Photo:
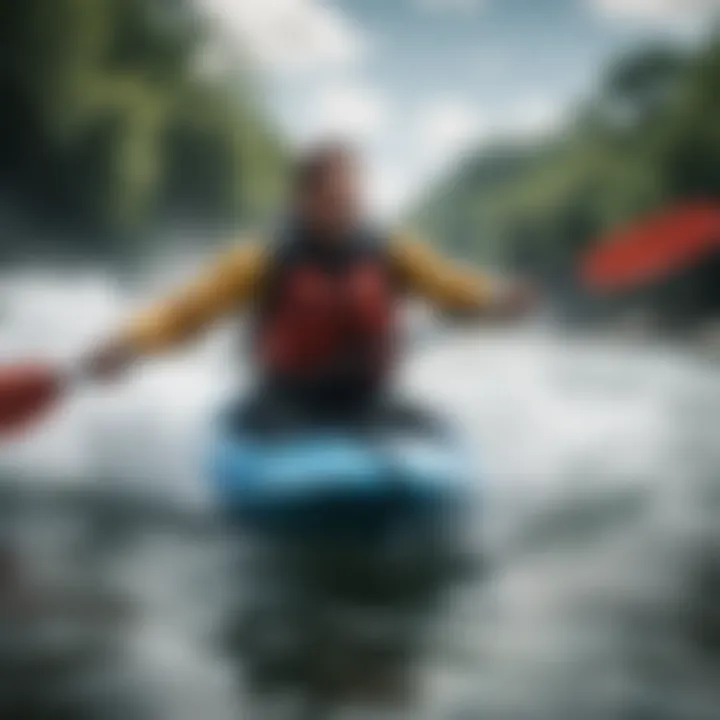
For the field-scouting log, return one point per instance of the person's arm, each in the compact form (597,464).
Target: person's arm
(229,285)
(456,291)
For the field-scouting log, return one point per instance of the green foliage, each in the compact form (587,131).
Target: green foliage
(651,136)
(109,129)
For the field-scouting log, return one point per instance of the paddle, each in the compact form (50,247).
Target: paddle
(28,392)
(653,248)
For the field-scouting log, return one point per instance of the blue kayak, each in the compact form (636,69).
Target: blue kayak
(331,480)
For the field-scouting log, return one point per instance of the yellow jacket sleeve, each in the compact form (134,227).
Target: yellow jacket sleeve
(227,286)
(428,275)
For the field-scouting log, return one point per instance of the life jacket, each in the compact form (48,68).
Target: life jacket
(326,314)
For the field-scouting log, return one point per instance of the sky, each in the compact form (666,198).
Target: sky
(418,83)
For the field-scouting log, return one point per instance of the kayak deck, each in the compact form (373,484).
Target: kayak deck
(324,478)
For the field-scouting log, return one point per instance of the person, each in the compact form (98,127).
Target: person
(323,297)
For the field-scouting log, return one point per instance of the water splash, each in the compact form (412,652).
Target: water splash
(599,470)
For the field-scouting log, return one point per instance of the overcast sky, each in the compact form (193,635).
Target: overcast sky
(419,82)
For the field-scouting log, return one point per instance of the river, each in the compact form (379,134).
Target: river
(599,468)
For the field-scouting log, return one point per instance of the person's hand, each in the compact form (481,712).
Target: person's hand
(108,362)
(516,301)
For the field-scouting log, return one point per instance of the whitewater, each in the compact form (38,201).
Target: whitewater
(596,460)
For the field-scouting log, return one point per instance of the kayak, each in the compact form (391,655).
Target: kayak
(334,479)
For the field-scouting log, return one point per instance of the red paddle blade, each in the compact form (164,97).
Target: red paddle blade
(653,248)
(27,392)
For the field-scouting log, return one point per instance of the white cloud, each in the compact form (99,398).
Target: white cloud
(390,189)
(347,110)
(445,129)
(673,14)
(287,35)
(355,110)
(534,118)
(466,7)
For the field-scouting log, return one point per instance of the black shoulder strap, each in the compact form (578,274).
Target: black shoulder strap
(283,250)
(374,240)
(286,249)
(377,244)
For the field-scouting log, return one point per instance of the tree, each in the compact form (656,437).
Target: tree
(108,128)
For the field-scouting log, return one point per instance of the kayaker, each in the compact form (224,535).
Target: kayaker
(323,295)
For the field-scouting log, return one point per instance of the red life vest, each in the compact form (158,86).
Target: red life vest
(327,313)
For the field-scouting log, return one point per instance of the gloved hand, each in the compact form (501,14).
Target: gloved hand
(108,362)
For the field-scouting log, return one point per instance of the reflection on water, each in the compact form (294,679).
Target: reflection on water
(600,474)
